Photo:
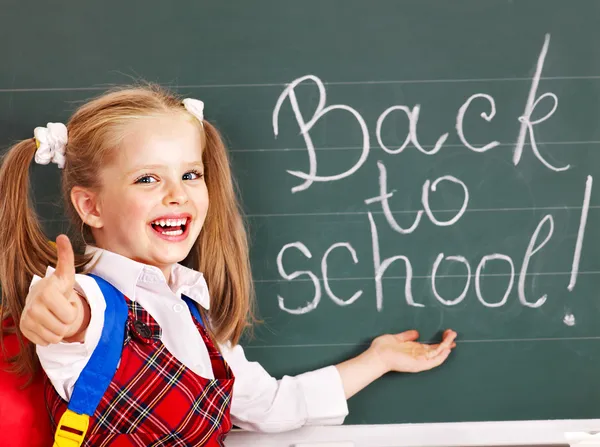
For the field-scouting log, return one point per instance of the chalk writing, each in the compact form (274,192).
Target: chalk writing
(410,223)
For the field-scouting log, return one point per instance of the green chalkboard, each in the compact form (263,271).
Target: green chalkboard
(478,120)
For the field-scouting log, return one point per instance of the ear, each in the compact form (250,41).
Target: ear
(87,206)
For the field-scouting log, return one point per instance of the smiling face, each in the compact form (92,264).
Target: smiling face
(153,198)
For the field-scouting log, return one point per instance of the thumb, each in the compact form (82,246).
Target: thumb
(65,264)
(411,335)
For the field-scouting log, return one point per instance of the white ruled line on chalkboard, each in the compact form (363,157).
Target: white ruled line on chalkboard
(366,278)
(283,84)
(450,81)
(458,341)
(374,212)
(509,340)
(473,210)
(360,148)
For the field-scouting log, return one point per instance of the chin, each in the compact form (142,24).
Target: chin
(168,260)
(173,257)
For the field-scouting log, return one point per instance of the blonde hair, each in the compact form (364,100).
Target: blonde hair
(220,252)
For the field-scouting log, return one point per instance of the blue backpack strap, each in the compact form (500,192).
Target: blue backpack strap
(100,369)
(193,309)
(98,373)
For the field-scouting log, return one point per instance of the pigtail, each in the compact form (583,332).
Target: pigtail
(24,247)
(221,252)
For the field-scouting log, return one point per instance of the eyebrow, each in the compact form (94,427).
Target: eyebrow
(193,164)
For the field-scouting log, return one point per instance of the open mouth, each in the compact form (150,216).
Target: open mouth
(171,227)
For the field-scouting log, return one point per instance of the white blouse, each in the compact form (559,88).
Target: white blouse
(259,401)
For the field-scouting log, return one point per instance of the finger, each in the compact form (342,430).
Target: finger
(437,360)
(449,337)
(48,321)
(432,351)
(449,333)
(446,344)
(34,338)
(48,337)
(65,264)
(40,317)
(411,335)
(59,305)
(40,335)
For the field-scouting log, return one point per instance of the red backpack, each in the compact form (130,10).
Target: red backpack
(24,420)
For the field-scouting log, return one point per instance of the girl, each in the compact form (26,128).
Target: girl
(136,349)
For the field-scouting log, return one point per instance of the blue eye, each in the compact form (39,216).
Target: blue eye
(146,179)
(192,175)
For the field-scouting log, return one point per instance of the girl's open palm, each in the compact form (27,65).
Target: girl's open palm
(402,353)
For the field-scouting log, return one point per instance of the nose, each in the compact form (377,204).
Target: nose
(175,194)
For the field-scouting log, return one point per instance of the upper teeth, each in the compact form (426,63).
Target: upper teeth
(170,222)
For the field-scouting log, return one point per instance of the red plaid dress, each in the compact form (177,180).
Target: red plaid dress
(153,399)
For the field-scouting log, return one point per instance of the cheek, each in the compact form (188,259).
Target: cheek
(138,214)
(202,201)
(132,211)
(205,204)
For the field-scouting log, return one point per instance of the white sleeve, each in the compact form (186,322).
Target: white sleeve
(262,403)
(63,362)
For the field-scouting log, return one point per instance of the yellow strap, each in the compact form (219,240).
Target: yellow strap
(76,427)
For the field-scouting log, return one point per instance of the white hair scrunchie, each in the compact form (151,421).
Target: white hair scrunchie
(51,142)
(195,107)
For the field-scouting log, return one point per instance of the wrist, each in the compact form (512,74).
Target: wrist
(375,357)
(358,372)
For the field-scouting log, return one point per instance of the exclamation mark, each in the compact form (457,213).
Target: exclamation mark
(569,319)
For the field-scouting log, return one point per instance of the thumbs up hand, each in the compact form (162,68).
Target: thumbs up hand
(53,311)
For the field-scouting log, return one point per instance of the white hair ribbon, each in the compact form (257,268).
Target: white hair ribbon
(195,107)
(51,142)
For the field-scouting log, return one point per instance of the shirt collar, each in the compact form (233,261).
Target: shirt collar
(126,275)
